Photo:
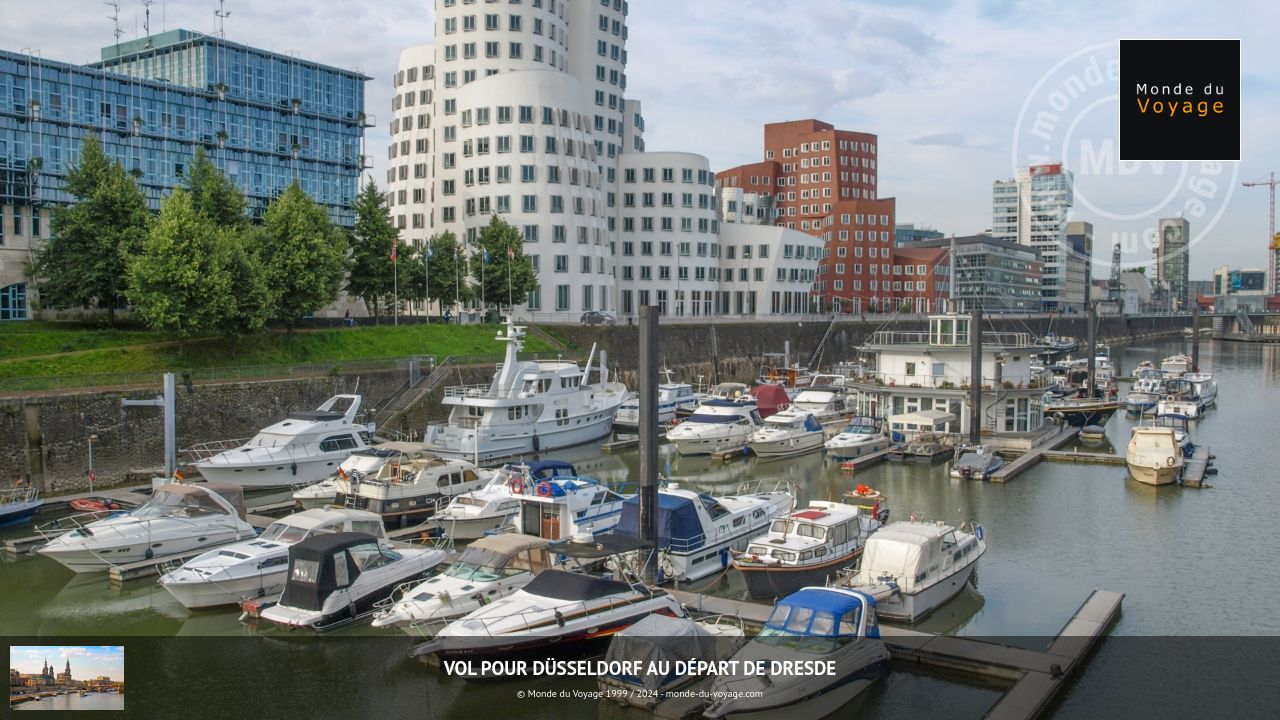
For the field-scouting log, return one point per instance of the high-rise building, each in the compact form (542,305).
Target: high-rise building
(822,181)
(1172,260)
(264,118)
(1080,243)
(905,234)
(519,111)
(1032,209)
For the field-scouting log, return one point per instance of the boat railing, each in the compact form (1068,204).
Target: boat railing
(478,390)
(10,496)
(531,620)
(205,450)
(81,521)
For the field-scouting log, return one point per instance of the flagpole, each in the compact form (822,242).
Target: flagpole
(395,270)
(510,259)
(482,264)
(457,282)
(426,278)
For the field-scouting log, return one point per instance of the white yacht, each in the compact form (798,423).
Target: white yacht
(806,547)
(473,514)
(558,613)
(697,533)
(716,425)
(362,463)
(1145,392)
(490,568)
(1203,387)
(179,518)
(862,436)
(1183,398)
(1175,365)
(1153,456)
(815,624)
(531,406)
(912,568)
(335,578)
(305,447)
(673,398)
(729,391)
(975,462)
(828,403)
(560,504)
(790,432)
(408,492)
(258,567)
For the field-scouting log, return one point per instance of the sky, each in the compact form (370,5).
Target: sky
(943,83)
(87,661)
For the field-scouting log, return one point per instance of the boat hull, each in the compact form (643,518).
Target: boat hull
(548,438)
(910,608)
(470,528)
(277,473)
(1079,417)
(83,559)
(708,444)
(766,582)
(1155,475)
(787,446)
(197,595)
(848,452)
(18,512)
(573,644)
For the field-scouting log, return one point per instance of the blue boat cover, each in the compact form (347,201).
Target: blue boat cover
(818,611)
(677,519)
(543,469)
(811,424)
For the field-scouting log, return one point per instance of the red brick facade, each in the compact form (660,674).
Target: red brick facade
(823,182)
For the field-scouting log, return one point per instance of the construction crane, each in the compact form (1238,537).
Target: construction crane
(1273,247)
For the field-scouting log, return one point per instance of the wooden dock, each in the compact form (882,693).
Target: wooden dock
(1197,467)
(731,454)
(1032,457)
(854,464)
(1083,457)
(1036,676)
(626,443)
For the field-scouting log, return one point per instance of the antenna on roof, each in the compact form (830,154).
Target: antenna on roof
(114,17)
(146,20)
(223,13)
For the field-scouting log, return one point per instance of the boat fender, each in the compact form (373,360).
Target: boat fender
(536,448)
(979,532)
(724,557)
(293,467)
(666,567)
(559,618)
(149,554)
(544,489)
(1170,398)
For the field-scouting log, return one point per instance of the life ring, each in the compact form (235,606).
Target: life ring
(863,490)
(1171,460)
(1170,398)
(516,484)
(543,489)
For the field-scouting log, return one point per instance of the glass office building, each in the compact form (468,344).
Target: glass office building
(264,118)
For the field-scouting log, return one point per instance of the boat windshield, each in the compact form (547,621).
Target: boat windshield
(481,565)
(802,529)
(283,532)
(266,439)
(861,429)
(808,630)
(709,419)
(167,504)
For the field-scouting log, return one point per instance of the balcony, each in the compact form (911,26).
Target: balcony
(920,338)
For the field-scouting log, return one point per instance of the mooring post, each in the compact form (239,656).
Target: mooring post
(975,370)
(1092,319)
(648,377)
(1195,337)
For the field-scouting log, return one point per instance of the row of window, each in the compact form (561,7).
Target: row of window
(649,175)
(668,200)
(667,224)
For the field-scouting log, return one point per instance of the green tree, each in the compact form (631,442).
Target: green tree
(178,282)
(371,273)
(447,270)
(84,262)
(303,253)
(252,300)
(213,194)
(504,246)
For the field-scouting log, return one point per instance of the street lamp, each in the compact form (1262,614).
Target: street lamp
(92,437)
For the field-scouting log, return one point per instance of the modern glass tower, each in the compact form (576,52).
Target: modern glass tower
(264,118)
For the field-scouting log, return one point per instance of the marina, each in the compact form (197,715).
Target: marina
(957,649)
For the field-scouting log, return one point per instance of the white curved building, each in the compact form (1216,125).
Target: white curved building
(668,252)
(411,168)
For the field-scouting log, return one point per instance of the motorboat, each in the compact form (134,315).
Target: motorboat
(1058,345)
(1203,387)
(670,640)
(178,518)
(305,447)
(806,547)
(698,532)
(926,447)
(405,493)
(1175,365)
(258,567)
(336,578)
(1093,434)
(790,432)
(717,425)
(912,568)
(1079,412)
(862,436)
(18,504)
(835,625)
(1145,392)
(828,403)
(673,399)
(869,499)
(975,462)
(1181,431)
(362,463)
(1182,399)
(1153,456)
(555,503)
(558,614)
(488,569)
(729,391)
(793,378)
(474,513)
(530,406)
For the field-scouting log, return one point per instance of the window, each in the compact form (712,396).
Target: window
(562,297)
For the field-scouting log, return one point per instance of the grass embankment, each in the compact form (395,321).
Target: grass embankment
(46,349)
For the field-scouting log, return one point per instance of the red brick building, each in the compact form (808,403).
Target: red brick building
(823,181)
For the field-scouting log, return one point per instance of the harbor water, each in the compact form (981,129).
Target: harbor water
(1054,534)
(76,701)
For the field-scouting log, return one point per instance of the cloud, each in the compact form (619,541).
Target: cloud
(944,139)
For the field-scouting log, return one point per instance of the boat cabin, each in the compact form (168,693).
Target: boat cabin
(915,555)
(324,564)
(909,426)
(826,617)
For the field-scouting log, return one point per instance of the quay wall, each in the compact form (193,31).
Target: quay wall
(44,437)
